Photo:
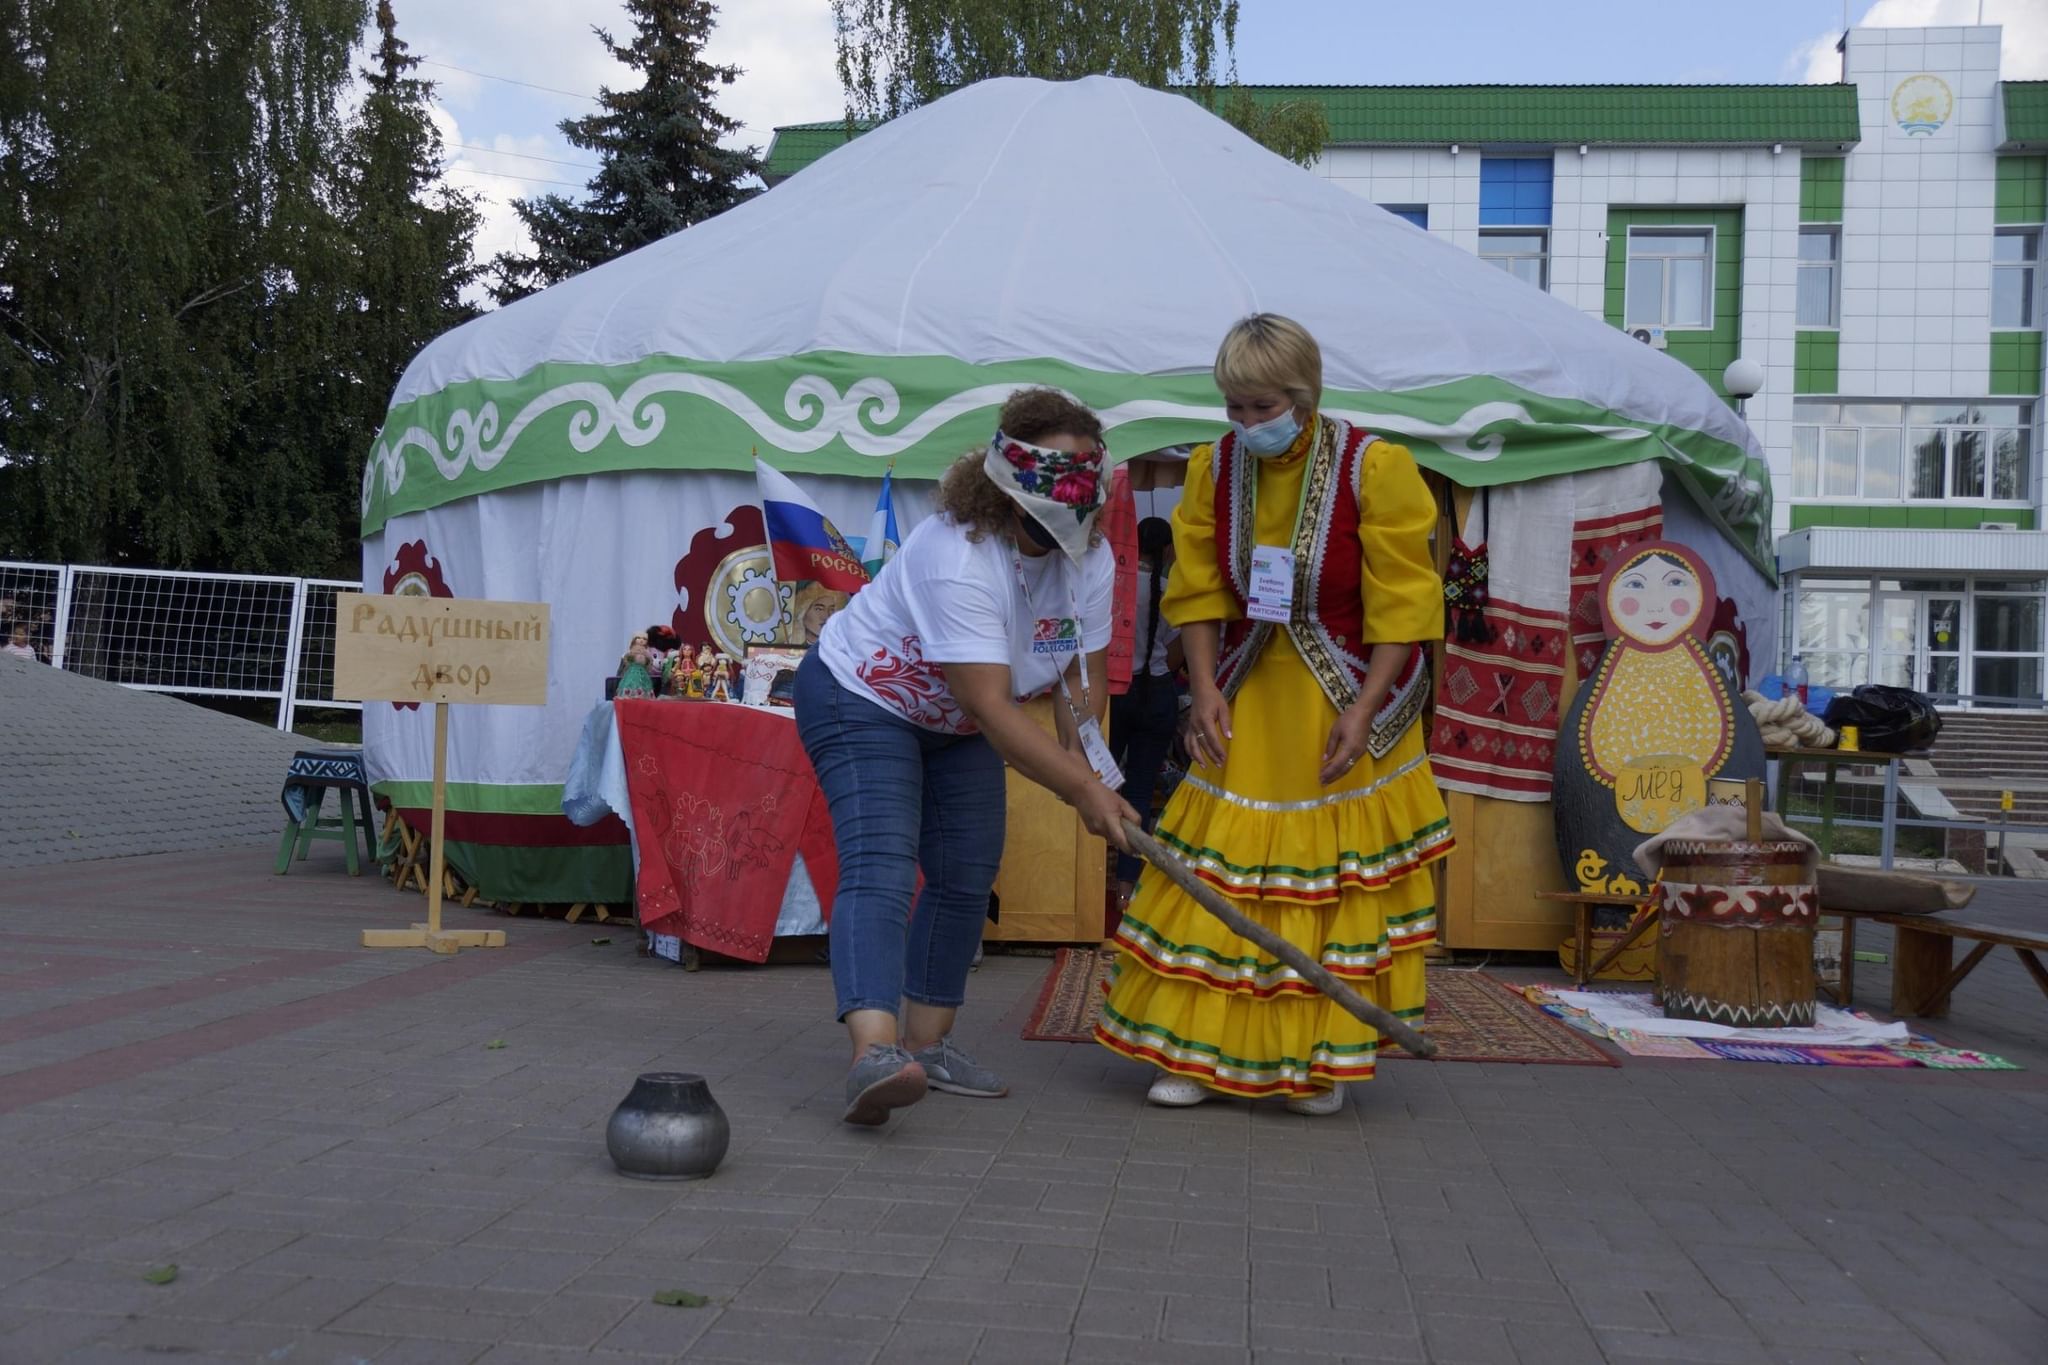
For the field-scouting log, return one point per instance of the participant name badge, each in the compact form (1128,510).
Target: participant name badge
(1095,748)
(1272,594)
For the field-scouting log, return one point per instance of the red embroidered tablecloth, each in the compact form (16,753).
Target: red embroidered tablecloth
(723,802)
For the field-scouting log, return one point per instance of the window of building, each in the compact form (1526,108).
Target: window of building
(1888,452)
(1670,278)
(1415,214)
(1525,255)
(1982,642)
(1820,259)
(1831,633)
(1514,191)
(2014,254)
(2007,641)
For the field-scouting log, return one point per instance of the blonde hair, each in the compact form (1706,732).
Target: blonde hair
(1266,353)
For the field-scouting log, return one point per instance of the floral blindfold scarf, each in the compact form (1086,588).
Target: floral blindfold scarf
(1060,490)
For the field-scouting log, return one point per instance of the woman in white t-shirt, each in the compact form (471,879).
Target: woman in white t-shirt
(909,708)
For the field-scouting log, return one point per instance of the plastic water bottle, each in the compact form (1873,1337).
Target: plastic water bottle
(1795,678)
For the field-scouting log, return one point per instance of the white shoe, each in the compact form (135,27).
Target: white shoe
(1177,1092)
(1321,1103)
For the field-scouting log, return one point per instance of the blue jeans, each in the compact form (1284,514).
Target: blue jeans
(902,798)
(1141,726)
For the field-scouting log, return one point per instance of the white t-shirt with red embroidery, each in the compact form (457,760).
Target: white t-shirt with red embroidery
(945,599)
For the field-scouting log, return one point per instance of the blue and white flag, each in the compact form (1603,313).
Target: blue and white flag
(880,546)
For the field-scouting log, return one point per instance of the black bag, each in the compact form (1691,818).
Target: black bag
(1888,720)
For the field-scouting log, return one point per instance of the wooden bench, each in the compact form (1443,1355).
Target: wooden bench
(1924,972)
(1583,904)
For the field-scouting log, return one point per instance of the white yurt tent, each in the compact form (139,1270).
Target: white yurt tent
(591,446)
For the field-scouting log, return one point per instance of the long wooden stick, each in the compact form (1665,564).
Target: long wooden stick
(1182,876)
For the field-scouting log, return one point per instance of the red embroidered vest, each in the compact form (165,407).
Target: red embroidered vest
(1328,624)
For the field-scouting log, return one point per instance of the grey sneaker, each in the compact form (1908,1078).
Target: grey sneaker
(956,1073)
(886,1077)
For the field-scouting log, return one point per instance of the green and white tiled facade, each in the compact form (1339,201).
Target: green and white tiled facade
(1902,406)
(1876,246)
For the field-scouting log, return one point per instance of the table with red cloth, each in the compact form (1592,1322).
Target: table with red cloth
(723,802)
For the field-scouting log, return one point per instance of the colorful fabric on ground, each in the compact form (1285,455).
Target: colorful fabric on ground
(1928,1053)
(1332,870)
(723,802)
(1891,1054)
(806,547)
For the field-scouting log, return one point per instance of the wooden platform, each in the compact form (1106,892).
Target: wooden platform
(1924,971)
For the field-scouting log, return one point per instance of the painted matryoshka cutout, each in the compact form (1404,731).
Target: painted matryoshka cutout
(1657,721)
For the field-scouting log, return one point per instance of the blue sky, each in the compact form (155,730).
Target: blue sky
(504,142)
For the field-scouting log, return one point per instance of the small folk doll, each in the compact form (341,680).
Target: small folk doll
(721,679)
(636,676)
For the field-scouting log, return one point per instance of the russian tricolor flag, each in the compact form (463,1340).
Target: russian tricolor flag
(805,546)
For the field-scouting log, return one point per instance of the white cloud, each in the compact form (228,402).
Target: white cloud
(2023,51)
(499,179)
(784,48)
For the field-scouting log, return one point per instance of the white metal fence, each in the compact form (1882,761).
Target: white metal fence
(198,634)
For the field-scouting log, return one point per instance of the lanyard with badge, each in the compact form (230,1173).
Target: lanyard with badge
(1270,593)
(1094,745)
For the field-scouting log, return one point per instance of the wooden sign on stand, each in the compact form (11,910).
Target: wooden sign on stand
(447,651)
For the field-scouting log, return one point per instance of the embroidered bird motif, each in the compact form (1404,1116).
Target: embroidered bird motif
(748,846)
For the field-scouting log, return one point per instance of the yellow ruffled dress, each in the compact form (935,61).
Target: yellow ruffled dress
(1338,871)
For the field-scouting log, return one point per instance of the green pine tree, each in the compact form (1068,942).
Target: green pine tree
(413,238)
(661,165)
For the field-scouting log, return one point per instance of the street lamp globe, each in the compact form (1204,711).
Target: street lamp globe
(1743,378)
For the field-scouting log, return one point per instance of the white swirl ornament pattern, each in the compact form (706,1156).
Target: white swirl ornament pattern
(818,413)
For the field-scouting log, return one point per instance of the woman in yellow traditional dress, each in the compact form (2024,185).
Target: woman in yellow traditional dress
(1302,586)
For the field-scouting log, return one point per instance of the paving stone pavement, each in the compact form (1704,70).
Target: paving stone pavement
(199,1068)
(92,770)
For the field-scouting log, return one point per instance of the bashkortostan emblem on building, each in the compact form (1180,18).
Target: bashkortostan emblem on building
(1921,104)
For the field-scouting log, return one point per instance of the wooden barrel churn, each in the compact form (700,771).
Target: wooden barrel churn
(1738,918)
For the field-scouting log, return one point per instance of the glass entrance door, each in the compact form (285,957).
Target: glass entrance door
(1941,646)
(1920,641)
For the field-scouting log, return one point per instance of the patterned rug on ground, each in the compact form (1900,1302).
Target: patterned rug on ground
(1916,1051)
(1472,1017)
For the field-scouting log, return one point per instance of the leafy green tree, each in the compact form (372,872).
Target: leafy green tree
(210,279)
(661,167)
(168,268)
(894,55)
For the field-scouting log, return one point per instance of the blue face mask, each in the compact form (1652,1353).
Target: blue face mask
(1270,437)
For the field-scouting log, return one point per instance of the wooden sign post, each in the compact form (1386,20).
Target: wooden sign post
(444,650)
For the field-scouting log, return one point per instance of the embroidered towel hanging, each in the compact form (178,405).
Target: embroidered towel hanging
(1495,730)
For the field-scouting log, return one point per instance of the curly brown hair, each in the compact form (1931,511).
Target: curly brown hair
(970,497)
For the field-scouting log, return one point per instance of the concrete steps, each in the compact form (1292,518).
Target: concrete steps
(1979,755)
